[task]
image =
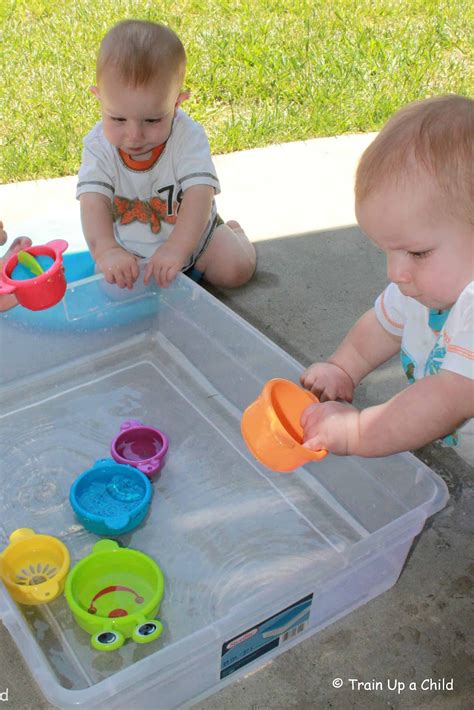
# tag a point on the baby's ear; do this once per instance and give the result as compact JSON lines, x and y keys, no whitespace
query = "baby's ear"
{"x":94,"y":90}
{"x":183,"y":96}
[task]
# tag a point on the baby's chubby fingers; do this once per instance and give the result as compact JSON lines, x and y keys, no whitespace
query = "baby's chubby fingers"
{"x":169,"y":276}
{"x":315,"y":379}
{"x":17,"y":245}
{"x":119,"y":278}
{"x":130,"y":274}
{"x":309,"y":413}
{"x":164,"y":274}
{"x":3,"y":234}
{"x":118,"y":267}
{"x":308,"y":377}
{"x":333,"y":426}
{"x":163,"y":277}
{"x":148,"y":273}
{"x":7,"y":301}
{"x":134,"y":270}
{"x":159,"y":273}
{"x":325,"y":393}
{"x":109,"y":276}
{"x":328,"y":382}
{"x":124,"y":279}
{"x":319,"y":387}
{"x":315,"y":443}
{"x":310,"y":422}
{"x":157,"y":270}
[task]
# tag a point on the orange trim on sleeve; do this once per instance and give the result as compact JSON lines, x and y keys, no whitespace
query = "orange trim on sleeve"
{"x":387,"y":317}
{"x":463,"y":352}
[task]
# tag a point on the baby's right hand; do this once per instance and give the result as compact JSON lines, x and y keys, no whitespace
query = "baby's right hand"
{"x":119,"y":267}
{"x":328,"y":382}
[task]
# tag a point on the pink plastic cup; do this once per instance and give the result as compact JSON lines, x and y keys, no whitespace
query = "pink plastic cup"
{"x":41,"y":291}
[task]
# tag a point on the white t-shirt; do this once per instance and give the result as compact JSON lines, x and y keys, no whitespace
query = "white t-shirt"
{"x":433,"y":341}
{"x":145,"y":195}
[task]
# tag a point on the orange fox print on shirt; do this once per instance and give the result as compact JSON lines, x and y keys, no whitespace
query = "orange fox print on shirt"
{"x":152,"y":211}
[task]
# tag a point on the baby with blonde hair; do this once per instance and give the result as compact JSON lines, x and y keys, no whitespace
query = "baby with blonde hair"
{"x":147,"y":181}
{"x":414,"y":200}
{"x":138,"y":53}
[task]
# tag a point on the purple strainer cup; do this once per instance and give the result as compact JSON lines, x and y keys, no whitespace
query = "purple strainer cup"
{"x":143,"y":447}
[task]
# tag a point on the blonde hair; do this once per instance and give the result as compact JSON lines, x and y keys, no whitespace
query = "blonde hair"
{"x":436,"y":135}
{"x":140,"y":52}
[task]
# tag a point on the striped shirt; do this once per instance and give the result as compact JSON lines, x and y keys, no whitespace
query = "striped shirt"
{"x":433,"y":341}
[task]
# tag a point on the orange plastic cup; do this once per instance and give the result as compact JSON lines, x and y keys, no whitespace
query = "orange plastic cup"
{"x":271,"y":426}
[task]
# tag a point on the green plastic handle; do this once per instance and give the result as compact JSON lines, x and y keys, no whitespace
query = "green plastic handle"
{"x":29,"y":262}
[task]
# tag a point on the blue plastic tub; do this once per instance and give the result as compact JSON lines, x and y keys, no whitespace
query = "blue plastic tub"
{"x":100,"y":306}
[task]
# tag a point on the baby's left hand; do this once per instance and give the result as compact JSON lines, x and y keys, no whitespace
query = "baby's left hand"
{"x":165,"y":264}
{"x":332,"y":426}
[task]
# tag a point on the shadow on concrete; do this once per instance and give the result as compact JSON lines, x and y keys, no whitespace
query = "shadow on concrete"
{"x":309,"y":290}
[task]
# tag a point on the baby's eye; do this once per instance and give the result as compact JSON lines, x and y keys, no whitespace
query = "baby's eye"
{"x":117,"y":119}
{"x":420,"y":254}
{"x":153,"y":120}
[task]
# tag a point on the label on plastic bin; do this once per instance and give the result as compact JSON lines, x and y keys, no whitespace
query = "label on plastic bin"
{"x":265,"y":636}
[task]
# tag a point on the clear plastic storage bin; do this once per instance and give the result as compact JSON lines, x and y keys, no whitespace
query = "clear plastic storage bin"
{"x":254,"y":561}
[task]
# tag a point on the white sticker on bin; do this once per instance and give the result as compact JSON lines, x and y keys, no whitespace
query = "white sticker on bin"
{"x":265,"y":636}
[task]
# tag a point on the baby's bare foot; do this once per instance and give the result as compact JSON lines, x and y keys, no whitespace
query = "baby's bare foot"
{"x":236,"y":227}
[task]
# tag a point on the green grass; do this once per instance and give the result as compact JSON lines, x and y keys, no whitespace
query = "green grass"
{"x":260,"y":71}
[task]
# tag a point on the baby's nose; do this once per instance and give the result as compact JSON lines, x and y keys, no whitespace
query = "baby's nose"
{"x":398,"y":269}
{"x":135,"y":130}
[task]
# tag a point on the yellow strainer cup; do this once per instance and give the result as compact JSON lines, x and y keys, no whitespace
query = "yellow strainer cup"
{"x":33,"y":567}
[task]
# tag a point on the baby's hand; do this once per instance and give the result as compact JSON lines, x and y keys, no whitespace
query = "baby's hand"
{"x":8,"y":300}
{"x":332,"y":426}
{"x":328,"y":382}
{"x":165,"y":264}
{"x":119,"y":267}
{"x":3,"y":234}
